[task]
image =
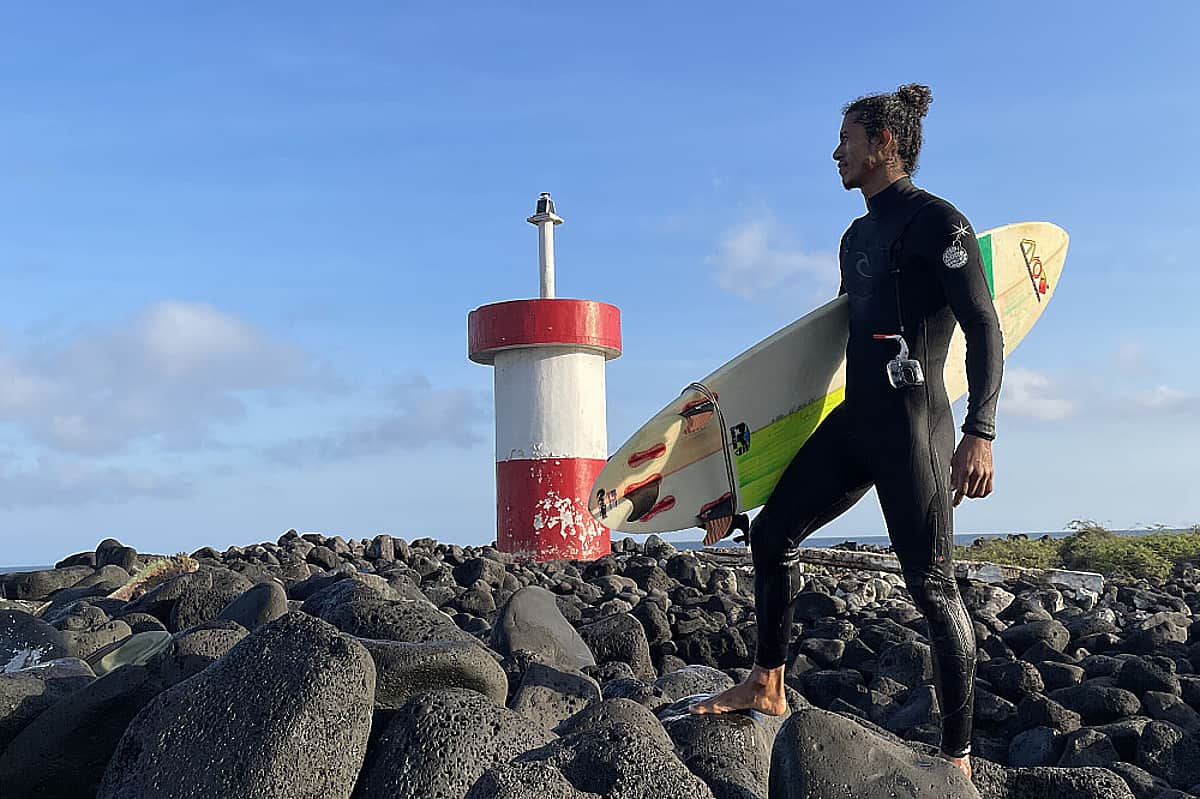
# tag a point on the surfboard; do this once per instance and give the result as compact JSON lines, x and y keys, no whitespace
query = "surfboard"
{"x":723,"y":444}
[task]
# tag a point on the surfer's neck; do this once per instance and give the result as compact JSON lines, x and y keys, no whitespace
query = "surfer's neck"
{"x":882,"y":181}
{"x":887,"y":197}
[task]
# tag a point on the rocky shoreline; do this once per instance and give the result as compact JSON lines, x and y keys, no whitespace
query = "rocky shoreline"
{"x":317,"y":667}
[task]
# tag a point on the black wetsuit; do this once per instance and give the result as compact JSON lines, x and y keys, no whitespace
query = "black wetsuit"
{"x":898,"y":440}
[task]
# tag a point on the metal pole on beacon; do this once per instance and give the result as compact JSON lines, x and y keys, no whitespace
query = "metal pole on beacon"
{"x":548,"y":356}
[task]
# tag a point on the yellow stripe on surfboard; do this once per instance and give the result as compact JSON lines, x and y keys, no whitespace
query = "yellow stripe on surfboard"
{"x":775,"y":445}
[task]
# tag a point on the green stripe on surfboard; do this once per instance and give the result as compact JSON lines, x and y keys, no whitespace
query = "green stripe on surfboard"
{"x":773,"y":447}
{"x":985,"y":251}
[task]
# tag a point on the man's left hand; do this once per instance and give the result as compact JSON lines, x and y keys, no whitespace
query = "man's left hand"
{"x":971,"y":470}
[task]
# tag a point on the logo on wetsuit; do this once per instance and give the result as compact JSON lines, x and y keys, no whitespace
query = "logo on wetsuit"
{"x":955,"y":256}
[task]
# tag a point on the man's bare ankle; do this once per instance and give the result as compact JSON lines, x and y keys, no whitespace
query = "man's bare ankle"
{"x":764,"y":676}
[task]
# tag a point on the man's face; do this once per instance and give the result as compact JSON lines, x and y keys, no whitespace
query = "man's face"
{"x":856,"y":155}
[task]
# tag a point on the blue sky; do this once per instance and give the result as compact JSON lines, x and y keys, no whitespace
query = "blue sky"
{"x":238,"y":243}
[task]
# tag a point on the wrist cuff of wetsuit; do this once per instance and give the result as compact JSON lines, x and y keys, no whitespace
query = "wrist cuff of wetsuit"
{"x":963,"y":753}
{"x":984,"y":434}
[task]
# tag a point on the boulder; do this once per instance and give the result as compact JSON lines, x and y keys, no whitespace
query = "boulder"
{"x":85,"y":643}
{"x":38,"y":586}
{"x":1097,"y":704}
{"x":194,"y":650}
{"x":995,"y":782}
{"x":620,"y":638}
{"x":25,"y":694}
{"x":907,"y":662}
{"x":731,"y":752}
{"x":615,"y":762}
{"x":1166,"y":751}
{"x":820,"y":754}
{"x":28,"y":641}
{"x":692,"y":681}
{"x":62,"y":754}
{"x":404,"y":669}
{"x":531,"y":621}
{"x":1087,"y":748}
{"x":609,"y":712}
{"x":258,"y":605}
{"x":440,"y":742}
{"x":197,"y":605}
{"x":550,"y":696}
{"x":810,"y":606}
{"x":286,"y":712}
{"x":363,"y":613}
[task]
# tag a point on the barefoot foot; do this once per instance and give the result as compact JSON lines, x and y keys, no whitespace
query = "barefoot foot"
{"x":748,"y":695}
{"x":962,"y":763}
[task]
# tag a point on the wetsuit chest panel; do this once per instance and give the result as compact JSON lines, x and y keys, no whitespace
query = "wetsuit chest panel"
{"x":866,"y":273}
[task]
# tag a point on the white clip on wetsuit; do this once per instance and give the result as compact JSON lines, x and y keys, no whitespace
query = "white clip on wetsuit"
{"x":899,"y":440}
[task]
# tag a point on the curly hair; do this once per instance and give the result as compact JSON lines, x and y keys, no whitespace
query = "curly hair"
{"x":901,"y":113}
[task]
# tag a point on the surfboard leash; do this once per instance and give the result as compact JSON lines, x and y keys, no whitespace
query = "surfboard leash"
{"x":731,"y":472}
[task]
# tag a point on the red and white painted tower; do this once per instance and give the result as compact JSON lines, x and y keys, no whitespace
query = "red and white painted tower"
{"x":551,"y":428}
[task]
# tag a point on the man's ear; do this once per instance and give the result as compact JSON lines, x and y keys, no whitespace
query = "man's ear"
{"x":887,"y":141}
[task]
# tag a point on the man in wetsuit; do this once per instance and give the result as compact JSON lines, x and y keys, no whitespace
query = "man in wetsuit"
{"x":911,"y":267}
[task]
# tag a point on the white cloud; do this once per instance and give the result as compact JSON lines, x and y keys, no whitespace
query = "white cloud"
{"x":421,"y":415}
{"x":57,"y":482}
{"x":760,"y":254}
{"x":1032,"y":394}
{"x":1165,"y":399}
{"x":167,"y":375}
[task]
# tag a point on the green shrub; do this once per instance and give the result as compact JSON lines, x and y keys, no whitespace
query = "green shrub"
{"x":1039,"y":553}
{"x":1091,"y":547}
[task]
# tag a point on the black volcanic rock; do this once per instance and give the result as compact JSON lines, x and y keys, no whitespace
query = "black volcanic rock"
{"x":63,"y":752}
{"x":813,"y":605}
{"x":550,"y":696}
{"x":995,"y":782}
{"x":197,"y":605}
{"x":609,"y":712}
{"x":195,"y":649}
{"x":84,"y":643}
{"x":691,"y":681}
{"x":1036,"y":710}
{"x":28,"y":641}
{"x":287,"y":713}
{"x":37,"y":586}
{"x":908,"y":663}
{"x":363,"y":613}
{"x":820,"y":754}
{"x":1140,"y":675}
{"x":1087,"y":747}
{"x":440,"y":742}
{"x":1168,"y":752}
{"x":1012,"y":679}
{"x":1169,"y":707}
{"x":1040,"y":746}
{"x":404,"y":669}
{"x":160,"y":600}
{"x":531,"y":621}
{"x":731,"y":752}
{"x":258,"y":605}
{"x":615,"y":762}
{"x":1097,"y":704}
{"x":25,"y":694}
{"x":620,"y":638}
{"x":1022,"y":636}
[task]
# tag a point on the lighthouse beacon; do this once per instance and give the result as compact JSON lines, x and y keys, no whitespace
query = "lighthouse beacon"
{"x":548,"y":356}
